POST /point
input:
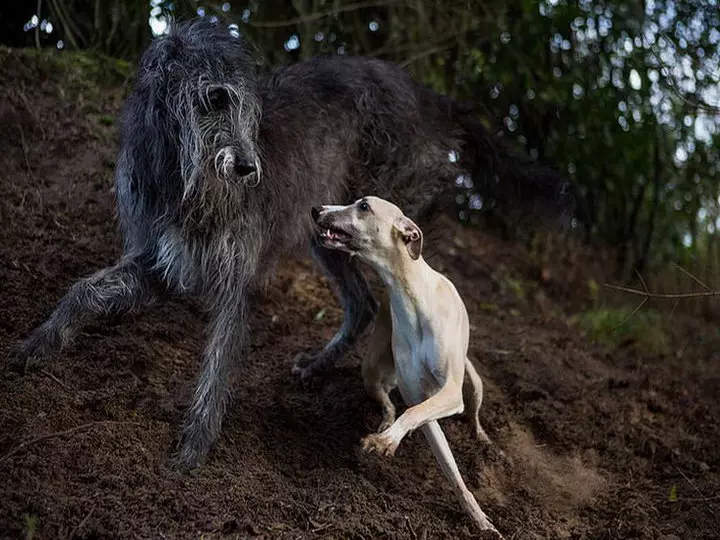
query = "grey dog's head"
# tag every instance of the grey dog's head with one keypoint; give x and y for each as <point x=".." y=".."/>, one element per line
<point x="372" y="228"/>
<point x="199" y="82"/>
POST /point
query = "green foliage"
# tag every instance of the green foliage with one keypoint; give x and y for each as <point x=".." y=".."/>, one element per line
<point x="593" y="291"/>
<point x="30" y="525"/>
<point x="517" y="287"/>
<point x="645" y="330"/>
<point x="595" y="88"/>
<point x="74" y="70"/>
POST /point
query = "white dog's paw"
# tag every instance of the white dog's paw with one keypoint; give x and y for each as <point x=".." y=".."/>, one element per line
<point x="380" y="443"/>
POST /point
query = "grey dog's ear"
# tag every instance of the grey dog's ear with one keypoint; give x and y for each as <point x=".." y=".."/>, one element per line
<point x="411" y="235"/>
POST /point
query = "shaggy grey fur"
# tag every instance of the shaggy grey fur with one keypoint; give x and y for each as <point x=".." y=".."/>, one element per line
<point x="219" y="167"/>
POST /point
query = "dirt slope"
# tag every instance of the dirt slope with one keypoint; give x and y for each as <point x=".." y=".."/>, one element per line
<point x="598" y="442"/>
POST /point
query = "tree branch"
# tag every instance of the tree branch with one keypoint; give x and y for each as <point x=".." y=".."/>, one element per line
<point x="666" y="296"/>
<point x="321" y="14"/>
<point x="413" y="45"/>
<point x="670" y="83"/>
<point x="638" y="292"/>
<point x="37" y="26"/>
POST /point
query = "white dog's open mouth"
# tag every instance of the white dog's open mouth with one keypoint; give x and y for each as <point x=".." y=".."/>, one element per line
<point x="334" y="235"/>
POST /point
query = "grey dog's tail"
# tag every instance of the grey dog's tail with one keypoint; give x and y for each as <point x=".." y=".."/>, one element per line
<point x="511" y="186"/>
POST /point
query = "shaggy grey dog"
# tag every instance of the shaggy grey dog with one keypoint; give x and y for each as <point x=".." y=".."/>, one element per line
<point x="219" y="167"/>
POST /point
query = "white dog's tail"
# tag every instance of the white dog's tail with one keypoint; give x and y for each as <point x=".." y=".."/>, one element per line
<point x="443" y="455"/>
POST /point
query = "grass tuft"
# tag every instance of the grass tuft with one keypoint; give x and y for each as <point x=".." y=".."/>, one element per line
<point x="646" y="331"/>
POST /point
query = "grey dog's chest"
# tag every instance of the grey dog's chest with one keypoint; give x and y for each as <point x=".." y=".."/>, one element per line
<point x="190" y="264"/>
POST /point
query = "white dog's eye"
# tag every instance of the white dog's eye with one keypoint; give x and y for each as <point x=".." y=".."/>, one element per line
<point x="363" y="206"/>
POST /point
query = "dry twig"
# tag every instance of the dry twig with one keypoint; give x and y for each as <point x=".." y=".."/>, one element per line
<point x="647" y="295"/>
<point x="702" y="497"/>
<point x="662" y="296"/>
<point x="82" y="523"/>
<point x="54" y="378"/>
<point x="25" y="154"/>
<point x="34" y="440"/>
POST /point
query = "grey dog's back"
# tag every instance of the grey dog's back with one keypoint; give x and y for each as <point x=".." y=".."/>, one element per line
<point x="373" y="129"/>
<point x="354" y="127"/>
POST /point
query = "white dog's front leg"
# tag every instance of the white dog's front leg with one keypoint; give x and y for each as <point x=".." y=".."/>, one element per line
<point x="446" y="402"/>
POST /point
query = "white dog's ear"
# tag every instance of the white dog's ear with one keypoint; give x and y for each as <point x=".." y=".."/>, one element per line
<point x="411" y="235"/>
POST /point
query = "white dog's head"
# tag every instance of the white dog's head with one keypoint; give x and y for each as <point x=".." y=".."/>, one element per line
<point x="372" y="228"/>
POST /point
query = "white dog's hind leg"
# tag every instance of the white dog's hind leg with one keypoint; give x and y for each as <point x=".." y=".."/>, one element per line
<point x="473" y="395"/>
<point x="380" y="394"/>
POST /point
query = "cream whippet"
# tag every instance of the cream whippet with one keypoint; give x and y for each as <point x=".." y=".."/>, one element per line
<point x="426" y="354"/>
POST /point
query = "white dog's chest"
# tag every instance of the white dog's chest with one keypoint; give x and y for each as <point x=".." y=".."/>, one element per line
<point x="416" y="359"/>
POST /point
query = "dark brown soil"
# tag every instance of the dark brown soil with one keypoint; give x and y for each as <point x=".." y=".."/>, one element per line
<point x="600" y="443"/>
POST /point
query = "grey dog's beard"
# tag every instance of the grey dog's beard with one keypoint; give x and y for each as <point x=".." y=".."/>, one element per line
<point x="224" y="163"/>
<point x="215" y="198"/>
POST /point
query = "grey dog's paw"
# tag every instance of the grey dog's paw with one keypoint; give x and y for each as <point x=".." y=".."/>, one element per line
<point x="183" y="463"/>
<point x="385" y="424"/>
<point x="305" y="365"/>
<point x="29" y="354"/>
<point x="190" y="456"/>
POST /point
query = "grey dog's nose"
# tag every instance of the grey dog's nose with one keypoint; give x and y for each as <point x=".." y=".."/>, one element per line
<point x="244" y="167"/>
<point x="315" y="211"/>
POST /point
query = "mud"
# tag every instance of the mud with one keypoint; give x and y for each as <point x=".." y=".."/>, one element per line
<point x="599" y="443"/>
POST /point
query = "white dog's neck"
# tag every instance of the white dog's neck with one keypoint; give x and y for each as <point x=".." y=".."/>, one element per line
<point x="408" y="282"/>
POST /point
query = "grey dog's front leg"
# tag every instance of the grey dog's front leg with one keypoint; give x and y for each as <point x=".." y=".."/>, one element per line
<point x="358" y="304"/>
<point x="112" y="291"/>
<point x="228" y="336"/>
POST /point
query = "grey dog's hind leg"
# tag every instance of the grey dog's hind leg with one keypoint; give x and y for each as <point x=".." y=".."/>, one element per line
<point x="378" y="366"/>
<point x="109" y="292"/>
<point x="228" y="336"/>
<point x="357" y="301"/>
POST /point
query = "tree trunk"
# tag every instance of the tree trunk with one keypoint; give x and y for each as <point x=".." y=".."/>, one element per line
<point x="657" y="185"/>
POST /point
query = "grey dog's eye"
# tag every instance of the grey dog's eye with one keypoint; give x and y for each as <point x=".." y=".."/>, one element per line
<point x="363" y="206"/>
<point x="218" y="99"/>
